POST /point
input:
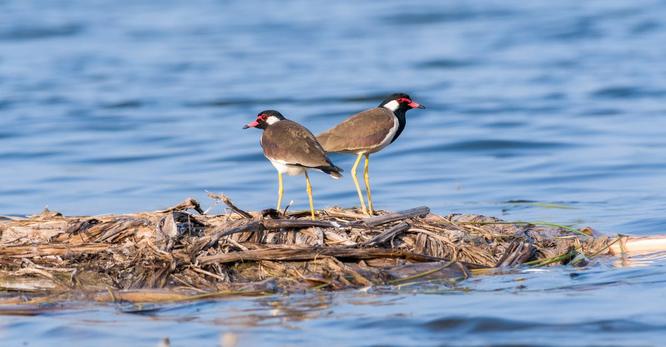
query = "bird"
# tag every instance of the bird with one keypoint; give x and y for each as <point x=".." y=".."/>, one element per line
<point x="293" y="150"/>
<point x="368" y="132"/>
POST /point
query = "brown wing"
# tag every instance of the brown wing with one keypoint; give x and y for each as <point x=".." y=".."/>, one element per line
<point x="364" y="130"/>
<point x="294" y="144"/>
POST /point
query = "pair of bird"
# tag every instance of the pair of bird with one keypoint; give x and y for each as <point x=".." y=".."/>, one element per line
<point x="293" y="149"/>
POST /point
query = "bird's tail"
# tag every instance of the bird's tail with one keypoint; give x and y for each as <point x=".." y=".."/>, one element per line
<point x="332" y="170"/>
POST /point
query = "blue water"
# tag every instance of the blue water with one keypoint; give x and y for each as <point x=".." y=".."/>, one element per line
<point x="537" y="110"/>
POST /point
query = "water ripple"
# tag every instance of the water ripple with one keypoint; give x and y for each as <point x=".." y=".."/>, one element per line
<point x="475" y="325"/>
<point x="35" y="32"/>
<point x="444" y="64"/>
<point x="627" y="92"/>
<point x="491" y="146"/>
<point x="454" y="14"/>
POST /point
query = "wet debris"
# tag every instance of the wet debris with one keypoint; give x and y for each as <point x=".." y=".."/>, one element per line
<point x="184" y="253"/>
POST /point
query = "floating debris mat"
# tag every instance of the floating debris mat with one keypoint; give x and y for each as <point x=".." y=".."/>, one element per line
<point x="183" y="253"/>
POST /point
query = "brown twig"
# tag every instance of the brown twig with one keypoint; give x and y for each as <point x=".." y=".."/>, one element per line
<point x="387" y="234"/>
<point x="189" y="203"/>
<point x="309" y="253"/>
<point x="396" y="216"/>
<point x="225" y="199"/>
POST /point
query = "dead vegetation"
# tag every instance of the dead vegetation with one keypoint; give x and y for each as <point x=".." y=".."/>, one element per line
<point x="183" y="254"/>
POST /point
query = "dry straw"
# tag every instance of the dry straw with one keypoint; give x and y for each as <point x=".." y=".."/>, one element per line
<point x="181" y="253"/>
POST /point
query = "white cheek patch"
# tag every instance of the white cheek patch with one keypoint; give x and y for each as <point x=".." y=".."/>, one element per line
<point x="392" y="105"/>
<point x="272" y="119"/>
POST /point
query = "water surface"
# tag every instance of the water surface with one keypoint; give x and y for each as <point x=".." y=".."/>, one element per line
<point x="536" y="111"/>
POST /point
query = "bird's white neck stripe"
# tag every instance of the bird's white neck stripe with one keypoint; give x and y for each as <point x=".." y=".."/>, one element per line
<point x="392" y="105"/>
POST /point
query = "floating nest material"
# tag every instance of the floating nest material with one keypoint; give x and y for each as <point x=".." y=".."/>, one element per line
<point x="182" y="253"/>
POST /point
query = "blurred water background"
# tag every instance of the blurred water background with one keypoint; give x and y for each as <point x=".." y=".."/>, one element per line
<point x="537" y="110"/>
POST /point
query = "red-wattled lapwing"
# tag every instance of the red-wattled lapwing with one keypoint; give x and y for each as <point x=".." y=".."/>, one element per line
<point x="368" y="132"/>
<point x="292" y="149"/>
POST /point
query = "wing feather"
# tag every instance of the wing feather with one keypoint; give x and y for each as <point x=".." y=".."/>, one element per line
<point x="363" y="131"/>
<point x="292" y="143"/>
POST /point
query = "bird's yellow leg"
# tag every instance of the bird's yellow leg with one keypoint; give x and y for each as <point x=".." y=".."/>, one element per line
<point x="366" y="177"/>
<point x="280" y="191"/>
<point x="358" y="186"/>
<point x="308" y="187"/>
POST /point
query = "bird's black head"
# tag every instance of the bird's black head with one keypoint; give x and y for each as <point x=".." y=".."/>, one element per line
<point x="400" y="102"/>
<point x="264" y="119"/>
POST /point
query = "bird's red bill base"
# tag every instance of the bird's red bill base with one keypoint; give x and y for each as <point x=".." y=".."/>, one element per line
<point x="411" y="103"/>
<point x="415" y="105"/>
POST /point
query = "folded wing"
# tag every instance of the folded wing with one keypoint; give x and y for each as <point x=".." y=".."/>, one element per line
<point x="293" y="144"/>
<point x="366" y="130"/>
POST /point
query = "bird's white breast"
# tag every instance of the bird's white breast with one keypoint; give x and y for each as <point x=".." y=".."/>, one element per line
<point x="283" y="167"/>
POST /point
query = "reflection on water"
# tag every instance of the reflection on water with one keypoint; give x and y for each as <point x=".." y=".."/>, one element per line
<point x="556" y="306"/>
<point x="549" y="111"/>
